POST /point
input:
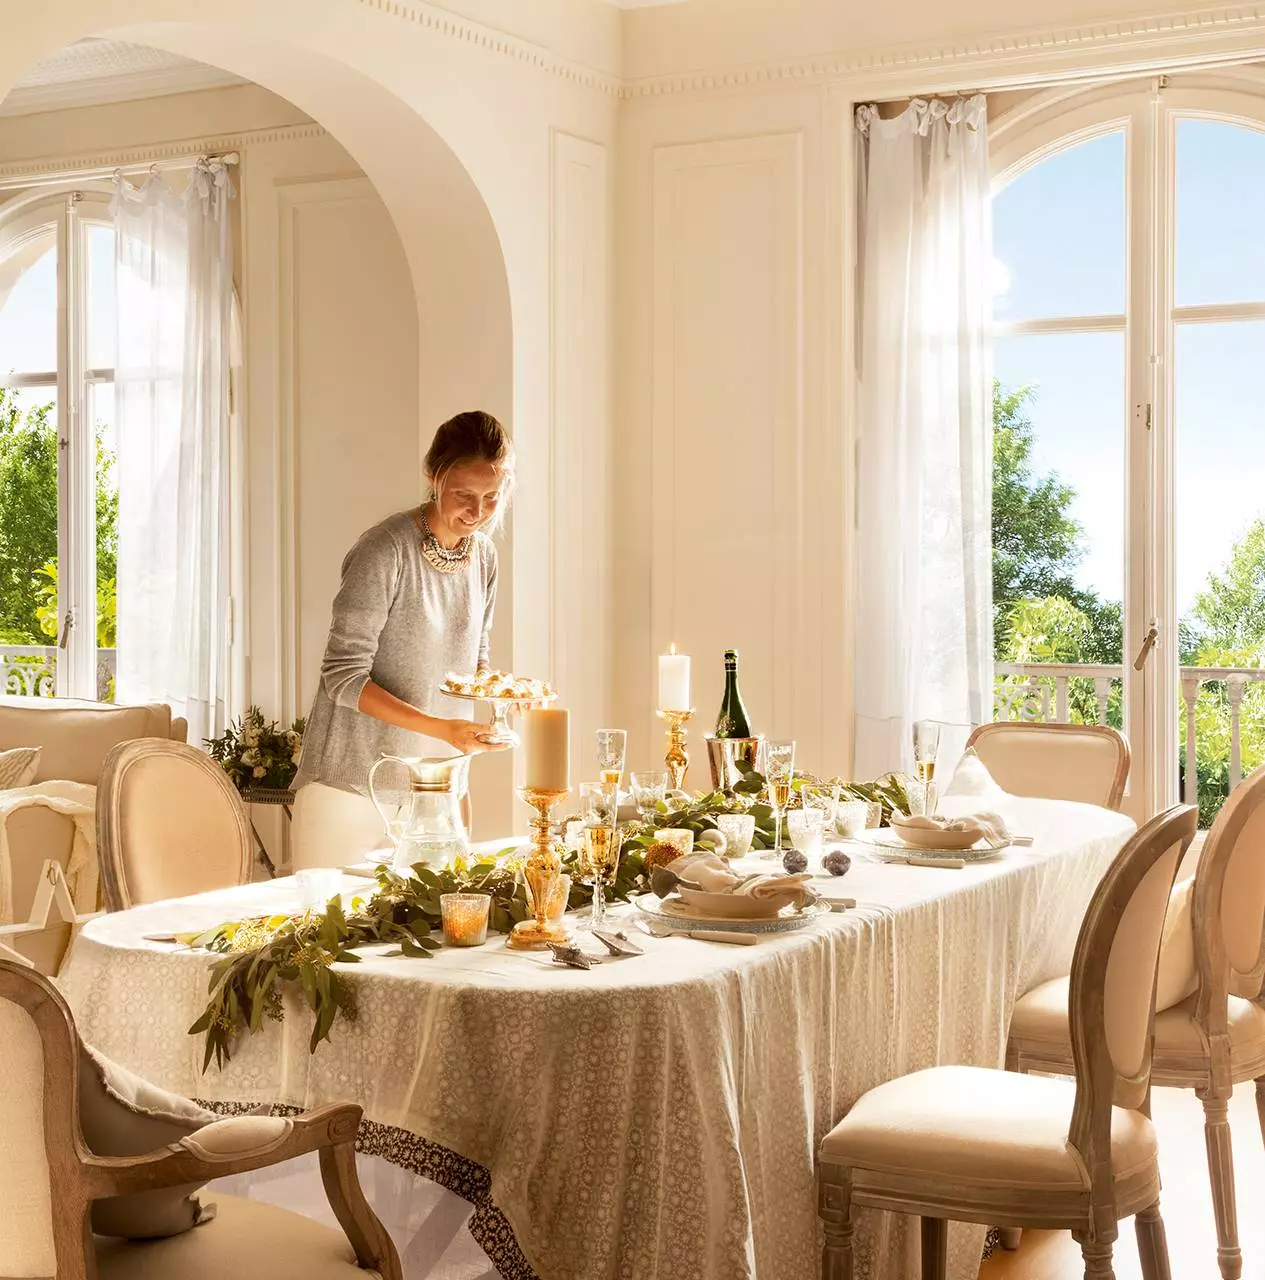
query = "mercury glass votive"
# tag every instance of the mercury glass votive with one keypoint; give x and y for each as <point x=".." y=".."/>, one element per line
<point x="738" y="830"/>
<point x="852" y="817"/>
<point x="465" y="918"/>
<point x="317" y="885"/>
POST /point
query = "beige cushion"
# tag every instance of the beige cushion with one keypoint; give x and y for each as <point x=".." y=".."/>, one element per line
<point x="18" y="767"/>
<point x="26" y="1223"/>
<point x="1177" y="1034"/>
<point x="226" y="1139"/>
<point x="1177" y="976"/>
<point x="245" y="1241"/>
<point x="75" y="736"/>
<point x="972" y="778"/>
<point x="122" y="1115"/>
<point x="1053" y="764"/>
<point x="980" y="1128"/>
<point x="1040" y="1017"/>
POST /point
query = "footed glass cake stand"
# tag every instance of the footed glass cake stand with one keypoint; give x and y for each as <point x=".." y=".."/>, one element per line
<point x="500" y="732"/>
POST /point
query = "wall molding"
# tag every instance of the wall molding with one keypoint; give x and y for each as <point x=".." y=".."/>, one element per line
<point x="37" y="167"/>
<point x="1193" y="37"/>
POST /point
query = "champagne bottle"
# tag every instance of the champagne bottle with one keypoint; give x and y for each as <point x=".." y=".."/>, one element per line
<point x="732" y="721"/>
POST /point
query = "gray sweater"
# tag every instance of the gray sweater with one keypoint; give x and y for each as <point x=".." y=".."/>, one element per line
<point x="404" y="625"/>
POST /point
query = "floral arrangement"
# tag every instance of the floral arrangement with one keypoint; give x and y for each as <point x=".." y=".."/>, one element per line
<point x="258" y="753"/>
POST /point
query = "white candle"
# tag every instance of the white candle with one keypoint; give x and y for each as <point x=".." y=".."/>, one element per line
<point x="547" y="748"/>
<point x="674" y="681"/>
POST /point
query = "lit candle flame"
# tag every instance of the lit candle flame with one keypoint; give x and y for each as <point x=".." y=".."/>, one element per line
<point x="672" y="647"/>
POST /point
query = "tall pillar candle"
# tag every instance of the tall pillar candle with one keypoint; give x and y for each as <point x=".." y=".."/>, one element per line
<point x="547" y="749"/>
<point x="674" y="681"/>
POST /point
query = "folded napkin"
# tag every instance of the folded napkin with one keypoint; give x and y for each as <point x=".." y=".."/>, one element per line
<point x="991" y="826"/>
<point x="780" y="888"/>
<point x="706" y="870"/>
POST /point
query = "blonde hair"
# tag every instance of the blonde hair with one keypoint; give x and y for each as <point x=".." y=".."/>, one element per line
<point x="473" y="436"/>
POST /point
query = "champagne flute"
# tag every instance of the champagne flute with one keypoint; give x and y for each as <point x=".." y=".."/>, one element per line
<point x="599" y="853"/>
<point x="612" y="749"/>
<point x="926" y="747"/>
<point x="781" y="769"/>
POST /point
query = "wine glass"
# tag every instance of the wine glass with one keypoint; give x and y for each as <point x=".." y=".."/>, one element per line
<point x="650" y="789"/>
<point x="780" y="769"/>
<point x="612" y="749"/>
<point x="599" y="853"/>
<point x="926" y="747"/>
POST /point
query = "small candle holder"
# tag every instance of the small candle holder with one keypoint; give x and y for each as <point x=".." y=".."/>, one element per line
<point x="544" y="866"/>
<point x="465" y="918"/>
<point x="677" y="759"/>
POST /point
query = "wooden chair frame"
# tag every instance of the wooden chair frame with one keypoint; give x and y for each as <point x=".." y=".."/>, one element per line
<point x="116" y="891"/>
<point x="77" y="1177"/>
<point x="1091" y="1214"/>
<point x="1211" y="1073"/>
<point x="1116" y="792"/>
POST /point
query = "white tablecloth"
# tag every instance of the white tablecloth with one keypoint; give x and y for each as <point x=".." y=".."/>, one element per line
<point x="656" y="1116"/>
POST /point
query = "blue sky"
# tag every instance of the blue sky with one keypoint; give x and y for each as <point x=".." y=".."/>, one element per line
<point x="1059" y="235"/>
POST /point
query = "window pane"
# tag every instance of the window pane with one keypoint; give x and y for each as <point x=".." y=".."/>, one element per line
<point x="1059" y="235"/>
<point x="107" y="511"/>
<point x="1220" y="193"/>
<point x="1058" y="518"/>
<point x="101" y="319"/>
<point x="28" y="310"/>
<point x="1219" y="384"/>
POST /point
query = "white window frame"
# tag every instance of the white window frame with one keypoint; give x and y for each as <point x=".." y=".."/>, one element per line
<point x="26" y="221"/>
<point x="1148" y="110"/>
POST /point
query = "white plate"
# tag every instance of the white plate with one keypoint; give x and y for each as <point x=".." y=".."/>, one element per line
<point x="887" y="841"/>
<point x="674" y="914"/>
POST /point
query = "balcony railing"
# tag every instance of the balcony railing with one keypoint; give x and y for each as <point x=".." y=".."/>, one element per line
<point x="30" y="670"/>
<point x="1050" y="691"/>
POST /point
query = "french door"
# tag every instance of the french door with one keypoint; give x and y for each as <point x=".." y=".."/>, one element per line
<point x="1129" y="521"/>
<point x="57" y="373"/>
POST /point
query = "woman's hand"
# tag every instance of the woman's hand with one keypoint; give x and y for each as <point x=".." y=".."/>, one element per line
<point x="466" y="736"/>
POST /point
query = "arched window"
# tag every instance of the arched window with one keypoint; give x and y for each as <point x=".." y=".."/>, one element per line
<point x="1129" y="424"/>
<point x="57" y="445"/>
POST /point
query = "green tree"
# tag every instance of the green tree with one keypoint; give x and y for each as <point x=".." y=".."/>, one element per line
<point x="1229" y="613"/>
<point x="28" y="526"/>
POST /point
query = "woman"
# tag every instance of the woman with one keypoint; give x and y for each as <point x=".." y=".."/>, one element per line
<point x="415" y="603"/>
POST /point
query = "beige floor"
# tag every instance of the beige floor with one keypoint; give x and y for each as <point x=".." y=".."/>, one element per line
<point x="1185" y="1202"/>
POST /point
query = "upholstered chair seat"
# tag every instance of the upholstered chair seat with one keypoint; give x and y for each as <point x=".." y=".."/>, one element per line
<point x="976" y="1126"/>
<point x="246" y="1240"/>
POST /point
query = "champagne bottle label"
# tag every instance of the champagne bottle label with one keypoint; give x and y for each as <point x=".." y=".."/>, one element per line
<point x="732" y="721"/>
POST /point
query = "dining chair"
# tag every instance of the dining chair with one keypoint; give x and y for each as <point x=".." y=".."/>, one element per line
<point x="976" y="1144"/>
<point x="1215" y="1038"/>
<point x="1086" y="762"/>
<point x="49" y="1178"/>
<point x="169" y="823"/>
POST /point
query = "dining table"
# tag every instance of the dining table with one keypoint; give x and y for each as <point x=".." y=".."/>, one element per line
<point x="656" y="1115"/>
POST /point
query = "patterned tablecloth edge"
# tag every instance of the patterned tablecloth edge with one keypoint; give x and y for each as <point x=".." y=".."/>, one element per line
<point x="489" y="1227"/>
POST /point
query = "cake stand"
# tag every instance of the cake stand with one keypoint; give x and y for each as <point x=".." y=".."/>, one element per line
<point x="500" y="734"/>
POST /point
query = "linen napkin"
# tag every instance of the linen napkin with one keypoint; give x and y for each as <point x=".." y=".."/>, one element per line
<point x="779" y="888"/>
<point x="991" y="826"/>
<point x="708" y="871"/>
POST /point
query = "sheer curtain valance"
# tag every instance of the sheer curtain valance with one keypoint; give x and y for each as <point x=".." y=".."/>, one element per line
<point x="175" y="300"/>
<point x="924" y="629"/>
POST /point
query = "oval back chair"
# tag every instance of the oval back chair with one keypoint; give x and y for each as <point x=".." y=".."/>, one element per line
<point x="1086" y="762"/>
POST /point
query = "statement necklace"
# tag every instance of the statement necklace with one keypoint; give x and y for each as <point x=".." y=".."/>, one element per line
<point x="445" y="559"/>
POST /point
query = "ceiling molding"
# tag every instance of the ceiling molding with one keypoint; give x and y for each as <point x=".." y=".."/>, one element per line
<point x="1171" y="39"/>
<point x="37" y="168"/>
<point x="25" y="100"/>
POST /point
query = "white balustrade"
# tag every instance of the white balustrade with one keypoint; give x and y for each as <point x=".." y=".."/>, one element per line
<point x="30" y="670"/>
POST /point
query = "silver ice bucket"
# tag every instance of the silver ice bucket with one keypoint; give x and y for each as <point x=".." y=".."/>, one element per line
<point x="730" y="758"/>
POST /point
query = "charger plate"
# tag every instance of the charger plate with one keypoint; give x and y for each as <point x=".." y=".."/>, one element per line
<point x="887" y="842"/>
<point x="672" y="913"/>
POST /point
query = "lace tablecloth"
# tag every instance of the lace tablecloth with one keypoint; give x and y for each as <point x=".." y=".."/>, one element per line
<point x="656" y="1116"/>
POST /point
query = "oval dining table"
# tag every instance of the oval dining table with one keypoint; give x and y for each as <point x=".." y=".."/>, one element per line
<point x="653" y="1116"/>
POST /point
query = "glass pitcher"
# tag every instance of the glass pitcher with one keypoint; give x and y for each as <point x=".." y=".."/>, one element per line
<point x="431" y="827"/>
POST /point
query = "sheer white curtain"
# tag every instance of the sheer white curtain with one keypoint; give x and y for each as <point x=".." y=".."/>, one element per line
<point x="924" y="599"/>
<point x="175" y="297"/>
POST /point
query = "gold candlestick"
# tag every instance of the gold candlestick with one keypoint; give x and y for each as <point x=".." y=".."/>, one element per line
<point x="543" y="869"/>
<point x="677" y="759"/>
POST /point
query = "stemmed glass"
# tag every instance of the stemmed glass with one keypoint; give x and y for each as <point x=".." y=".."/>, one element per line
<point x="649" y="790"/>
<point x="612" y="749"/>
<point x="599" y="854"/>
<point x="926" y="747"/>
<point x="779" y="770"/>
